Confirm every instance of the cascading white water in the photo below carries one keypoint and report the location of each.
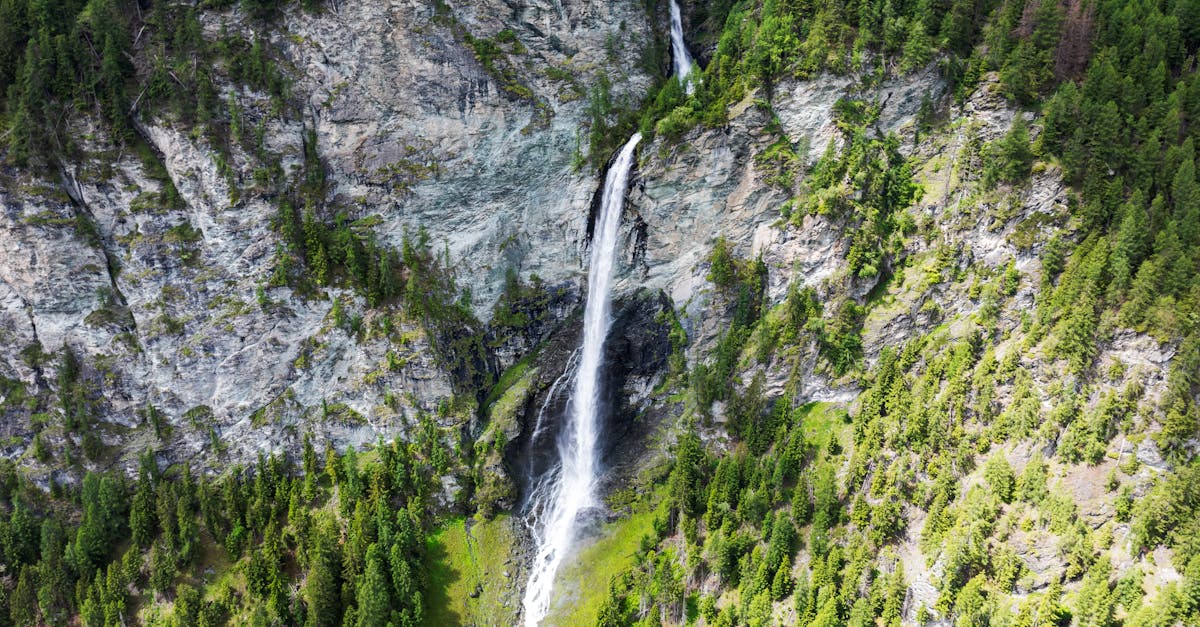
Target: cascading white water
(680, 57)
(564, 495)
(566, 491)
(551, 394)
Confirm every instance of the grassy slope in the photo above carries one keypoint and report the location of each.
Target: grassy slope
(460, 561)
(823, 421)
(583, 582)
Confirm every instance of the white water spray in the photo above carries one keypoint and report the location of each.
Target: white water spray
(568, 374)
(563, 495)
(569, 489)
(680, 57)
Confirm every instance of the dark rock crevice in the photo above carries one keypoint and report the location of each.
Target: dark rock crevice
(598, 195)
(636, 354)
(86, 228)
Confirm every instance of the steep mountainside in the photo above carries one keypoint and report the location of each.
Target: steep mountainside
(906, 321)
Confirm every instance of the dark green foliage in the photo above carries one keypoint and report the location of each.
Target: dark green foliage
(1027, 64)
(722, 268)
(867, 187)
(374, 605)
(1008, 160)
(64, 57)
(261, 9)
(1170, 514)
(493, 55)
(1000, 478)
(316, 254)
(322, 588)
(688, 474)
(70, 566)
(802, 311)
(740, 285)
(841, 343)
(521, 310)
(71, 51)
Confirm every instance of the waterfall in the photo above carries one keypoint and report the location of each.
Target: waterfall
(680, 57)
(540, 424)
(566, 491)
(571, 488)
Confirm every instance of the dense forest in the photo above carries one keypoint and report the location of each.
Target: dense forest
(1112, 86)
(343, 537)
(352, 530)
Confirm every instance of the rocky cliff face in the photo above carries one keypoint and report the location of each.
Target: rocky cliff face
(154, 270)
(168, 304)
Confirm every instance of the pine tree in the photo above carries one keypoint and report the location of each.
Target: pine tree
(333, 467)
(112, 77)
(26, 103)
(1185, 198)
(918, 48)
(162, 568)
(20, 536)
(401, 573)
(1178, 268)
(1000, 477)
(1130, 244)
(374, 606)
(322, 588)
(24, 603)
(782, 543)
(959, 25)
(1010, 158)
(1142, 293)
(1181, 424)
(686, 488)
(1016, 152)
(1025, 73)
(1095, 605)
(13, 31)
(308, 490)
(782, 584)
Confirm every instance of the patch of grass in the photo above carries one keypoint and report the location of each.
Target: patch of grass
(823, 421)
(582, 583)
(48, 218)
(508, 378)
(493, 55)
(504, 411)
(460, 562)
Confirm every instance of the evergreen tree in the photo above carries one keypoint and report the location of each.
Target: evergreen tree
(918, 48)
(322, 588)
(112, 73)
(374, 606)
(13, 31)
(1185, 196)
(1000, 477)
(26, 104)
(143, 518)
(23, 603)
(686, 488)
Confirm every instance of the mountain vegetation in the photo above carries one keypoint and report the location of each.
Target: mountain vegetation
(953, 444)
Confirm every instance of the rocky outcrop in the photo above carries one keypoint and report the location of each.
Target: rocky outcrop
(636, 354)
(393, 87)
(156, 268)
